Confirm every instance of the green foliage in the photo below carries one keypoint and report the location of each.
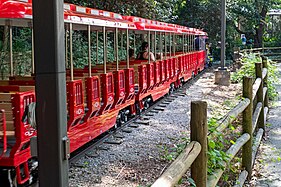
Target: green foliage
(248, 69)
(170, 153)
(216, 153)
(272, 80)
(192, 182)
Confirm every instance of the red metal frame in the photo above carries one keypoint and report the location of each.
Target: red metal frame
(157, 76)
(130, 86)
(162, 71)
(142, 69)
(3, 139)
(107, 87)
(167, 68)
(20, 150)
(119, 80)
(75, 102)
(150, 75)
(93, 96)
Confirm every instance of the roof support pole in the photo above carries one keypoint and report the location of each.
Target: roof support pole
(174, 44)
(193, 43)
(32, 51)
(104, 49)
(183, 43)
(148, 38)
(170, 43)
(155, 45)
(97, 49)
(188, 42)
(128, 46)
(122, 44)
(11, 50)
(89, 51)
(66, 48)
(135, 42)
(71, 52)
(53, 145)
(116, 49)
(165, 45)
(161, 45)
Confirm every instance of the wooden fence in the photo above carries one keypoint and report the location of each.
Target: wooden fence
(266, 51)
(254, 108)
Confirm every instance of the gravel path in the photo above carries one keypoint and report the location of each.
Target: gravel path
(138, 161)
(268, 162)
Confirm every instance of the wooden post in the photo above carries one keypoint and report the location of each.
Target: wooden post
(264, 64)
(258, 66)
(199, 130)
(247, 125)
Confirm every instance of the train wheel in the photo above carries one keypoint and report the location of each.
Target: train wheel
(172, 88)
(146, 105)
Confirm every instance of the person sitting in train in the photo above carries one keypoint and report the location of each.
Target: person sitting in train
(144, 53)
(131, 54)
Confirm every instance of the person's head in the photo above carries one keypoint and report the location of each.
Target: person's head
(131, 52)
(144, 46)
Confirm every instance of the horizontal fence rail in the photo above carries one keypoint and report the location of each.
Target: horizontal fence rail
(179, 167)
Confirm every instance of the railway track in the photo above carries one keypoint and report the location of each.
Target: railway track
(115, 136)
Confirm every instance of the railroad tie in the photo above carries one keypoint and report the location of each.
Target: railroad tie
(163, 105)
(142, 122)
(127, 130)
(133, 125)
(159, 108)
(113, 140)
(149, 114)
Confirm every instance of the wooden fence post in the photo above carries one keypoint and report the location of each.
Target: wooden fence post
(258, 66)
(247, 125)
(199, 130)
(264, 64)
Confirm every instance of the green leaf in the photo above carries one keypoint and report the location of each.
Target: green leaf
(192, 182)
(212, 144)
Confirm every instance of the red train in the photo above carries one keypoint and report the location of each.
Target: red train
(102, 94)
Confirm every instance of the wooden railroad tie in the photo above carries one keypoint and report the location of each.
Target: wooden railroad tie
(142, 122)
(149, 114)
(154, 111)
(113, 140)
(159, 108)
(133, 125)
(163, 105)
(127, 130)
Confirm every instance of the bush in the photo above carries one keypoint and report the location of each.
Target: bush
(248, 69)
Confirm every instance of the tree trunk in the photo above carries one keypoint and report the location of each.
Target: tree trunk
(260, 28)
(259, 36)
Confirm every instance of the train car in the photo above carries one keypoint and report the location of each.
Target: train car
(102, 93)
(180, 58)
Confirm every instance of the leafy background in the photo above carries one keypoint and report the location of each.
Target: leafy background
(243, 17)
